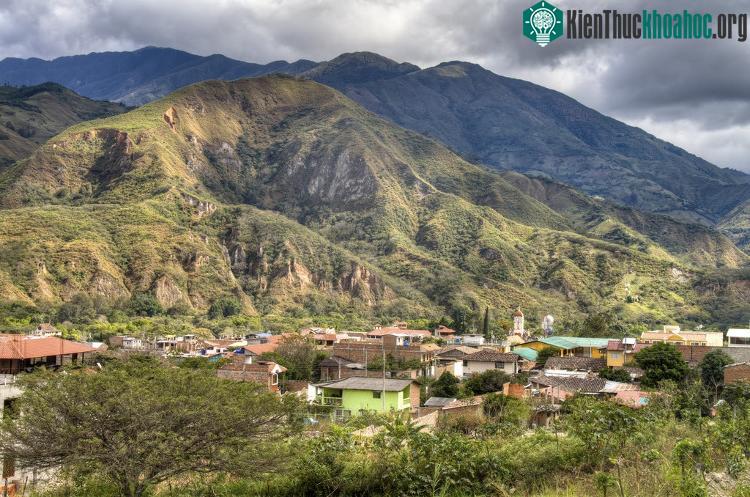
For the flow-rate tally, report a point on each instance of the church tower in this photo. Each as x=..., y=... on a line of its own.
x=518, y=323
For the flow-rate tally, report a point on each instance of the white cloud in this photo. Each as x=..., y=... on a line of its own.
x=656, y=84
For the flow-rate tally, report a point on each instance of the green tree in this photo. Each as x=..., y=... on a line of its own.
x=712, y=371
x=138, y=423
x=486, y=323
x=544, y=354
x=661, y=361
x=224, y=307
x=80, y=309
x=615, y=375
x=486, y=382
x=145, y=304
x=298, y=355
x=445, y=386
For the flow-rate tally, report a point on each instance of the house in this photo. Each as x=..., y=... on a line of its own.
x=46, y=330
x=633, y=398
x=569, y=346
x=573, y=366
x=242, y=368
x=736, y=372
x=127, y=342
x=622, y=352
x=738, y=337
x=447, y=334
x=472, y=340
x=398, y=328
x=397, y=346
x=488, y=359
x=22, y=352
x=675, y=336
x=338, y=368
x=560, y=388
x=356, y=395
x=445, y=406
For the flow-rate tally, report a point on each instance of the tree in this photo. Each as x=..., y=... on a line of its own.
x=486, y=323
x=506, y=409
x=145, y=304
x=224, y=307
x=661, y=361
x=543, y=355
x=138, y=423
x=80, y=309
x=615, y=375
x=445, y=386
x=298, y=355
x=489, y=381
x=712, y=371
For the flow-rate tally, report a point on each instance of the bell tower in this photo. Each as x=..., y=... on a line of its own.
x=518, y=323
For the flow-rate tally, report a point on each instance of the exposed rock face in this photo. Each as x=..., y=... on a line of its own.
x=170, y=117
x=168, y=293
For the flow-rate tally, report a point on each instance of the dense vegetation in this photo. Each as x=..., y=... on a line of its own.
x=276, y=196
x=191, y=437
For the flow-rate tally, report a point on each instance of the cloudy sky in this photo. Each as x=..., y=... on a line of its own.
x=695, y=94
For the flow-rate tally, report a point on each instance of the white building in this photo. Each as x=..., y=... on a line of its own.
x=738, y=337
x=485, y=360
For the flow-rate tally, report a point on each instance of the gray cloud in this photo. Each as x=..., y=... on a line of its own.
x=695, y=94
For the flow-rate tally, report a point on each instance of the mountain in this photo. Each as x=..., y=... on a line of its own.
x=294, y=198
x=137, y=77
x=31, y=115
x=502, y=122
x=511, y=124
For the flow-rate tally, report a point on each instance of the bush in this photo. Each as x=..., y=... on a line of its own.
x=145, y=304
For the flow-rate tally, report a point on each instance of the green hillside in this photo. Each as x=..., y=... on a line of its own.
x=291, y=197
x=31, y=115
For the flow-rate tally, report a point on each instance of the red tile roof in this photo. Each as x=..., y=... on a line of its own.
x=24, y=347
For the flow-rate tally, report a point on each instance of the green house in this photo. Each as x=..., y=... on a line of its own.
x=356, y=395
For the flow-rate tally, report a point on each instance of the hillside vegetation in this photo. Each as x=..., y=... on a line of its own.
x=29, y=116
x=290, y=197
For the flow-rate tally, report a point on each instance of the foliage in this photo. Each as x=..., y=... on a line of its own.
x=712, y=370
x=137, y=423
x=615, y=374
x=544, y=354
x=488, y=381
x=445, y=386
x=299, y=355
x=145, y=304
x=224, y=307
x=661, y=361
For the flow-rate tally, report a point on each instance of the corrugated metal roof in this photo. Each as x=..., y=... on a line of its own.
x=362, y=383
x=568, y=343
x=526, y=353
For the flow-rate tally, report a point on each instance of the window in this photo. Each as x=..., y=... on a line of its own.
x=499, y=365
x=466, y=363
x=376, y=394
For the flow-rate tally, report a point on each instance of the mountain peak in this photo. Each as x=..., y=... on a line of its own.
x=357, y=67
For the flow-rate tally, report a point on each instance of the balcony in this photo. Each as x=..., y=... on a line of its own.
x=329, y=401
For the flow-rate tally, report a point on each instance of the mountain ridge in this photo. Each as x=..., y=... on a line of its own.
x=288, y=195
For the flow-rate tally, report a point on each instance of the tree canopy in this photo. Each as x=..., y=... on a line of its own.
x=660, y=362
x=137, y=423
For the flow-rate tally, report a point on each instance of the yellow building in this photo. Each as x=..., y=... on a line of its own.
x=622, y=352
x=568, y=346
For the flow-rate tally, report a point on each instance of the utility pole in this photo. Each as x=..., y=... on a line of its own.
x=382, y=395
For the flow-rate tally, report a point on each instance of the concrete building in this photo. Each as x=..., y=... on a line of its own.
x=738, y=337
x=486, y=360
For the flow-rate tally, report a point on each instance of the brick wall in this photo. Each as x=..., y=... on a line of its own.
x=736, y=372
x=362, y=352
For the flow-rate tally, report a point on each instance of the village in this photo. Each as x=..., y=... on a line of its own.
x=392, y=369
